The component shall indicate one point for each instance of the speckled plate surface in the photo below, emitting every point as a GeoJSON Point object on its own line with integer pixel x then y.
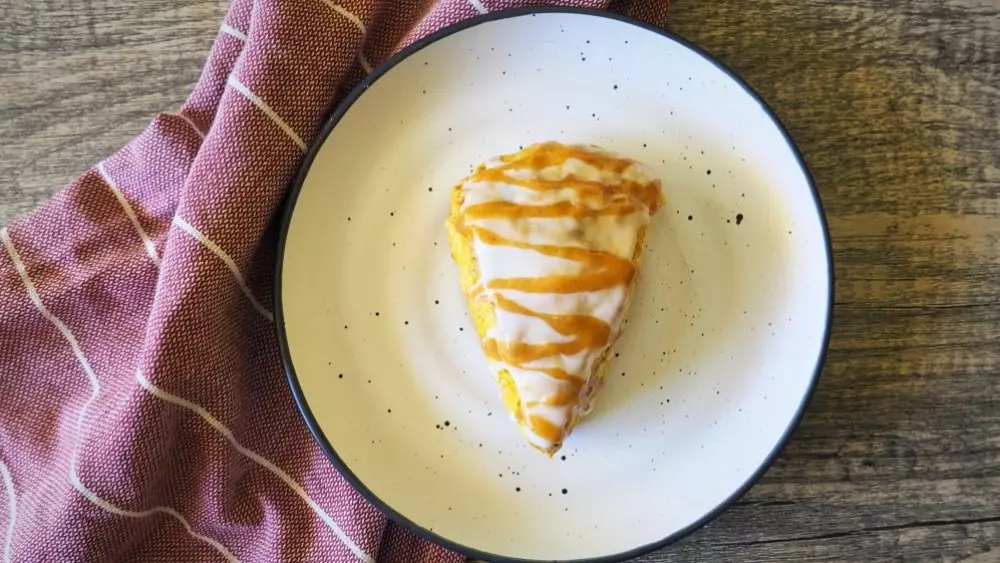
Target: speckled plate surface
{"type": "Point", "coordinates": [726, 334]}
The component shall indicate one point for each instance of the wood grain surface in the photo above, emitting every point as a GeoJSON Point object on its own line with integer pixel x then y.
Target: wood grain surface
{"type": "Point", "coordinates": [894, 104]}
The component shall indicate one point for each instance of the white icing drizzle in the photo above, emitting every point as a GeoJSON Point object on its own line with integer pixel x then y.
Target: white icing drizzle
{"type": "Point", "coordinates": [612, 234]}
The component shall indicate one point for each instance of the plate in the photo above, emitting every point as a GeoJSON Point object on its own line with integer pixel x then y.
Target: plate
{"type": "Point", "coordinates": [727, 331]}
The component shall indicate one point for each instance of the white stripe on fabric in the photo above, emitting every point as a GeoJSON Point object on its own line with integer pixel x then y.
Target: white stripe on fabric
{"type": "Point", "coordinates": [262, 106]}
{"type": "Point", "coordinates": [351, 17]}
{"type": "Point", "coordinates": [36, 300]}
{"type": "Point", "coordinates": [86, 493]}
{"type": "Point", "coordinates": [107, 506]}
{"type": "Point", "coordinates": [95, 389]}
{"type": "Point", "coordinates": [221, 254]}
{"type": "Point", "coordinates": [479, 6]}
{"type": "Point", "coordinates": [189, 122]}
{"type": "Point", "coordinates": [260, 460]}
{"type": "Point", "coordinates": [8, 539]}
{"type": "Point", "coordinates": [146, 241]}
{"type": "Point", "coordinates": [364, 62]}
{"type": "Point", "coordinates": [230, 30]}
{"type": "Point", "coordinates": [347, 14]}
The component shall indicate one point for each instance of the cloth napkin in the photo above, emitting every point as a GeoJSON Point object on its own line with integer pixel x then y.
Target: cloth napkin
{"type": "Point", "coordinates": [144, 412]}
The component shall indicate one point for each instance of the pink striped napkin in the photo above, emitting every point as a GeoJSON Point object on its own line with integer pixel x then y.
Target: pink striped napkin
{"type": "Point", "coordinates": [144, 413]}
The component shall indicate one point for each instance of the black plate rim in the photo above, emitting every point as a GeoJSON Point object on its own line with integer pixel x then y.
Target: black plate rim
{"type": "Point", "coordinates": [338, 113]}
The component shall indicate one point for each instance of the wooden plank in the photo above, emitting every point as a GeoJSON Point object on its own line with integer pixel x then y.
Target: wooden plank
{"type": "Point", "coordinates": [894, 105]}
{"type": "Point", "coordinates": [81, 78]}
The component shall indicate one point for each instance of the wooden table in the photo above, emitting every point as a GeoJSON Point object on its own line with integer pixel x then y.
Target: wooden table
{"type": "Point", "coordinates": [895, 105]}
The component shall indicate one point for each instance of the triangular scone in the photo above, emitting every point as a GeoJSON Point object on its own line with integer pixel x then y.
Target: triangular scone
{"type": "Point", "coordinates": [548, 241]}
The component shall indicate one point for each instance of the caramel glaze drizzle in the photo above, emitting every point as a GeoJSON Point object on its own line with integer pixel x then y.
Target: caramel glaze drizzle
{"type": "Point", "coordinates": [603, 270]}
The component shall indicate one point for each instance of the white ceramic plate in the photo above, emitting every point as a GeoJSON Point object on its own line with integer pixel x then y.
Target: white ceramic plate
{"type": "Point", "coordinates": [726, 333]}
